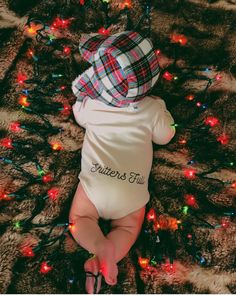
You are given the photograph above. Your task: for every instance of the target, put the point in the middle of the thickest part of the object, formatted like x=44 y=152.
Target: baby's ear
x=78 y=58
x=164 y=61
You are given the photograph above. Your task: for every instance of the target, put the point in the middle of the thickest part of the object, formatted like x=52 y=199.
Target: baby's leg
x=87 y=233
x=125 y=231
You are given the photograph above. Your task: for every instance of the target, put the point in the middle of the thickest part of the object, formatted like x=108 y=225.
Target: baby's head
x=124 y=68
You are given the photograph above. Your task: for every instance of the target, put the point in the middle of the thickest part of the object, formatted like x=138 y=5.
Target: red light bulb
x=179 y=38
x=47 y=178
x=71 y=226
x=126 y=4
x=5 y=197
x=66 y=110
x=143 y=262
x=156 y=226
x=190 y=97
x=21 y=78
x=53 y=193
x=189 y=173
x=218 y=77
x=190 y=200
x=233 y=185
x=27 y=251
x=189 y=236
x=45 y=268
x=6 y=142
x=225 y=224
x=151 y=215
x=212 y=121
x=104 y=31
x=61 y=23
x=168 y=76
x=56 y=146
x=32 y=29
x=169 y=267
x=15 y=127
x=223 y=139
x=66 y=50
x=182 y=141
x=23 y=101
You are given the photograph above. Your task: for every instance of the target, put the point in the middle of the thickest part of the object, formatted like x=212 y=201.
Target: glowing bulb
x=23 y=101
x=233 y=185
x=185 y=210
x=225 y=224
x=151 y=215
x=27 y=251
x=190 y=173
x=104 y=31
x=5 y=197
x=32 y=30
x=190 y=97
x=71 y=226
x=67 y=50
x=53 y=193
x=6 y=142
x=182 y=141
x=15 y=127
x=218 y=77
x=56 y=146
x=179 y=38
x=47 y=178
x=212 y=121
x=45 y=268
x=21 y=78
x=223 y=139
x=17 y=225
x=190 y=200
x=168 y=76
x=143 y=262
x=61 y=23
x=66 y=110
x=126 y=4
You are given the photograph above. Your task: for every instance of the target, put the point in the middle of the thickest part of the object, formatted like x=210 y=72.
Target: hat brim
x=89 y=44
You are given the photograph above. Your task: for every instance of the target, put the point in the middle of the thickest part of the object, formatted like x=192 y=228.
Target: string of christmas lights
x=162 y=231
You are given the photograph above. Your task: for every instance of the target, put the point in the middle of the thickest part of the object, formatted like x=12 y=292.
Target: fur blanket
x=209 y=27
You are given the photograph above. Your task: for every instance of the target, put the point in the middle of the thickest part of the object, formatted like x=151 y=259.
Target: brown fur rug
x=209 y=27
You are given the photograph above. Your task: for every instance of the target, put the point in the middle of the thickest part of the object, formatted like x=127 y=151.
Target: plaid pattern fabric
x=124 y=68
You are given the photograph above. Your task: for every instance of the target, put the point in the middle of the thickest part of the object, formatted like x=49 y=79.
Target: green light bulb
x=185 y=210
x=17 y=225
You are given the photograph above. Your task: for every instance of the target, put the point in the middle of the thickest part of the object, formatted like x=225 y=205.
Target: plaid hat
x=124 y=68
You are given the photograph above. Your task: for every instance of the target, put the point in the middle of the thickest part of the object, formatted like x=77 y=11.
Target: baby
x=121 y=121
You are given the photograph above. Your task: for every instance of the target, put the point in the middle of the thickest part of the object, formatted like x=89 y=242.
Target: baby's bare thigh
x=132 y=222
x=82 y=206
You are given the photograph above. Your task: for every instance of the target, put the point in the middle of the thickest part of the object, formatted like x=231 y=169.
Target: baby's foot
x=107 y=261
x=92 y=267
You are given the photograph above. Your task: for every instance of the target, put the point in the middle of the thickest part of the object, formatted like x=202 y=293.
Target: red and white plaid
x=124 y=68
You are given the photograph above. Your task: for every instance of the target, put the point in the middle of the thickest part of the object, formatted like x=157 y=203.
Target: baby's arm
x=78 y=113
x=163 y=132
x=80 y=106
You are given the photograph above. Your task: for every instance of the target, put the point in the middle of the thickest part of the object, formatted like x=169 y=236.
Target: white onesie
x=117 y=152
